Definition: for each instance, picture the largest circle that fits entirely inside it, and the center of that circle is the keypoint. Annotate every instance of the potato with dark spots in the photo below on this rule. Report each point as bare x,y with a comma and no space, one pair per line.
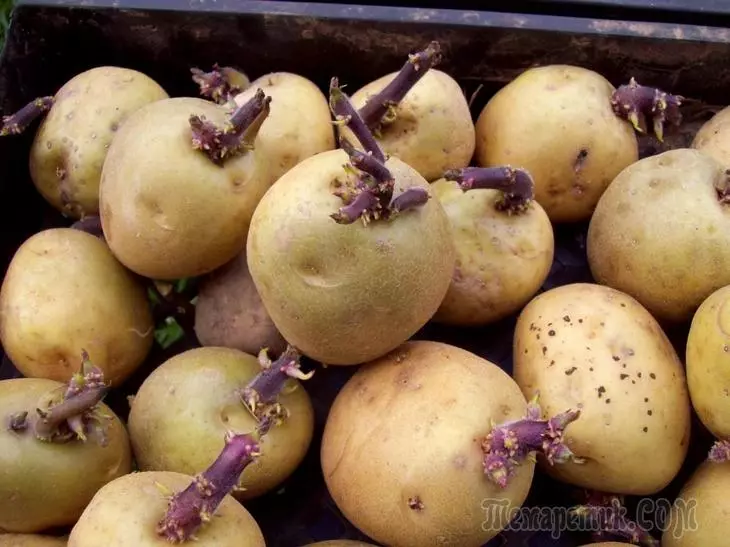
712,137
180,184
504,249
590,346
31,540
51,468
708,363
229,311
661,233
698,517
419,115
414,450
557,122
183,409
65,292
299,125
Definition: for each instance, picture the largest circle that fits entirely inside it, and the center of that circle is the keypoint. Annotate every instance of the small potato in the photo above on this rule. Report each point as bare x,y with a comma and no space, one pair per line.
708,363
30,540
592,347
502,260
661,233
299,124
713,138
65,292
229,312
557,122
699,514
71,143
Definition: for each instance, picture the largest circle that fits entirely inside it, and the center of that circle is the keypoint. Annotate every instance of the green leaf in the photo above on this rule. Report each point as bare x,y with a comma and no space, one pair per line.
169,333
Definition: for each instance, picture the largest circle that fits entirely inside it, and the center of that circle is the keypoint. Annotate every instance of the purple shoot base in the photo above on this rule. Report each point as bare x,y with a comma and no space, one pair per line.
16,123
636,103
607,519
221,84
516,185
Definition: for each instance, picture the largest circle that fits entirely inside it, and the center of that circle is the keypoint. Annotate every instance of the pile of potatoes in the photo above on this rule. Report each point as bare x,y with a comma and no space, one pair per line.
271,229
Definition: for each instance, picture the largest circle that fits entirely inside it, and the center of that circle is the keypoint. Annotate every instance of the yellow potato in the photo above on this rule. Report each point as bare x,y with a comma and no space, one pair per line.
30,540
595,348
71,143
502,259
712,137
299,124
557,122
433,130
65,292
699,514
708,363
661,234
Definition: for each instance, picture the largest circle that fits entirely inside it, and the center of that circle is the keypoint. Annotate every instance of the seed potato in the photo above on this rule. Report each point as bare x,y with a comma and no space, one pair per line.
30,540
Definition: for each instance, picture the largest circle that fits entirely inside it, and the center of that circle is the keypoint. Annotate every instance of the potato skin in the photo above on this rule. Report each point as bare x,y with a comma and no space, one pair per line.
167,210
182,411
708,362
590,345
520,125
229,311
30,540
64,292
339,543
712,137
660,234
433,130
502,259
45,485
299,124
699,514
72,140
368,288
410,425
125,512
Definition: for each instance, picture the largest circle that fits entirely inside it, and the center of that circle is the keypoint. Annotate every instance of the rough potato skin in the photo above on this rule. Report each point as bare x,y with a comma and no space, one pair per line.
712,137
31,540
346,294
708,363
64,292
299,124
167,210
229,311
408,427
502,259
69,148
660,234
590,346
45,485
125,514
556,121
699,514
433,130
183,409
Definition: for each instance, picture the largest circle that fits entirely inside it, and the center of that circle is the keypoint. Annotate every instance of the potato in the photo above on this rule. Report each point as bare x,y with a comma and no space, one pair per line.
405,444
169,210
125,513
229,311
431,128
607,544
503,256
557,122
299,125
340,543
65,292
699,513
590,346
712,137
182,410
47,483
708,359
31,540
71,143
661,233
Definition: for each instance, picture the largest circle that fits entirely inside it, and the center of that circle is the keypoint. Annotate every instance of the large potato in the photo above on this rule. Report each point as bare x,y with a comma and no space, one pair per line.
557,122
699,514
71,143
31,540
708,362
592,347
661,233
402,449
713,137
65,292
299,124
